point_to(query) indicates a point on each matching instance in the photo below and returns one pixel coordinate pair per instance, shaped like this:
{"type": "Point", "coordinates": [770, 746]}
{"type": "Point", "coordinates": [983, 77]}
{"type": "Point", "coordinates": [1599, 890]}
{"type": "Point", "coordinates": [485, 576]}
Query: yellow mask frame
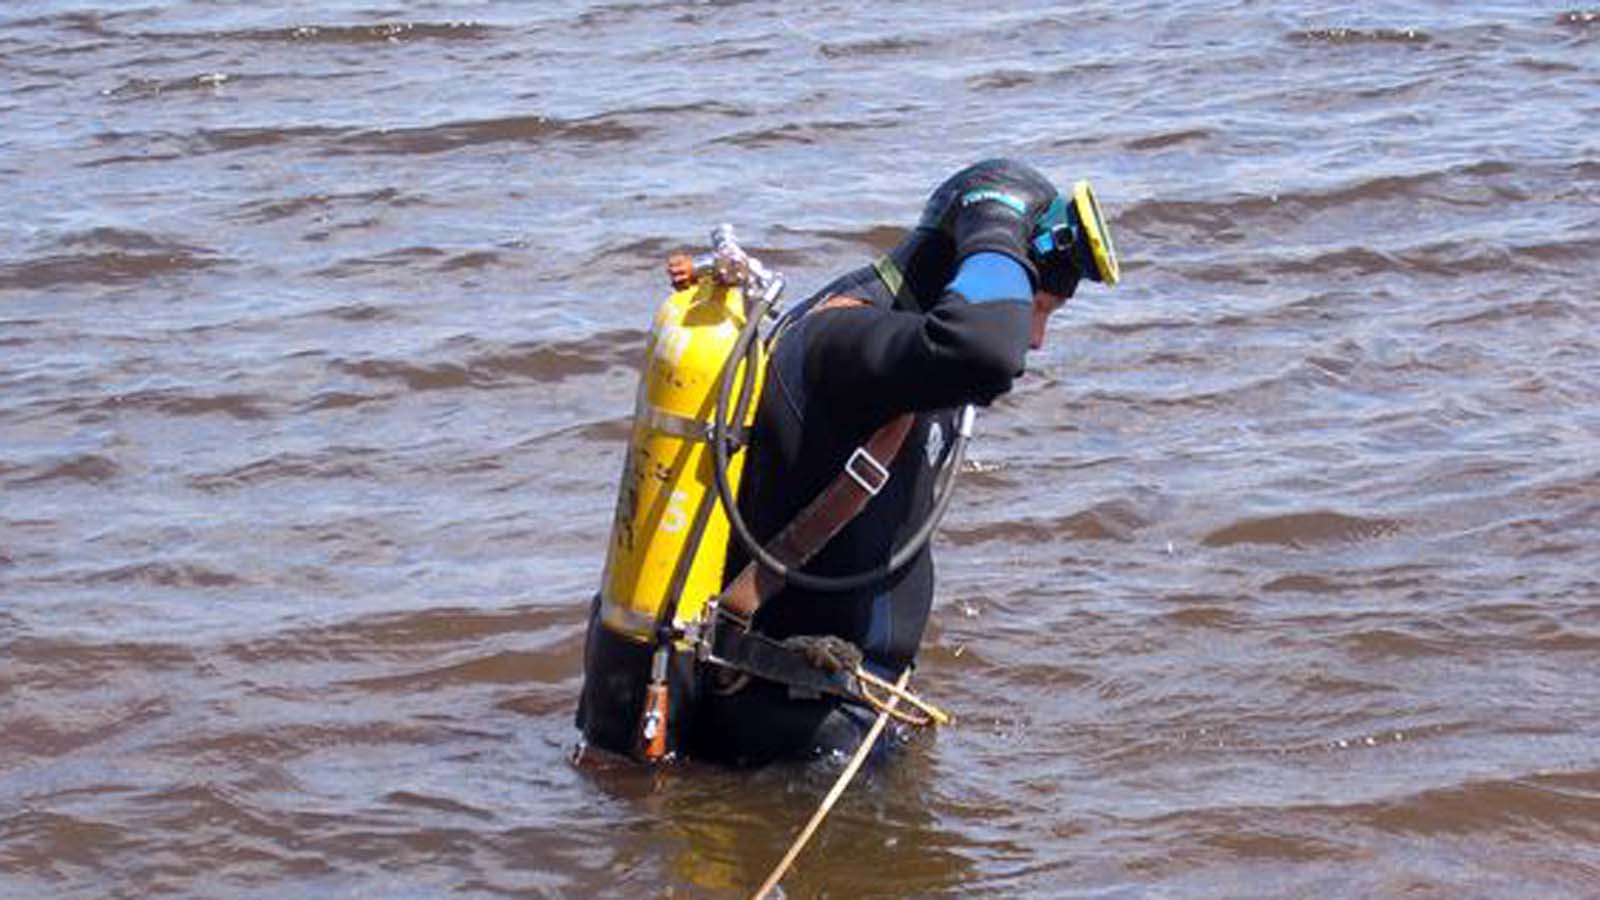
{"type": "Point", "coordinates": [1096, 233]}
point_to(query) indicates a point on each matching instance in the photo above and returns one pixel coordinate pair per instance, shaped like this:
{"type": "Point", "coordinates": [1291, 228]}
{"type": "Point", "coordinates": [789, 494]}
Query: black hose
{"type": "Point", "coordinates": [744, 349]}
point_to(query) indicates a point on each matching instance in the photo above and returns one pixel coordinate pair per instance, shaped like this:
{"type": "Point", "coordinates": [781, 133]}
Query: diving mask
{"type": "Point", "coordinates": [1071, 240]}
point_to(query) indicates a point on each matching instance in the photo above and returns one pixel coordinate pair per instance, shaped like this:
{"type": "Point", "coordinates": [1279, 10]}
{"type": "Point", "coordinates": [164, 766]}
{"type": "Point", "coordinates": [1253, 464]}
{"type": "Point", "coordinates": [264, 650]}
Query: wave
{"type": "Point", "coordinates": [1401, 641]}
{"type": "Point", "coordinates": [544, 361]}
{"type": "Point", "coordinates": [611, 432]}
{"type": "Point", "coordinates": [1221, 212]}
{"type": "Point", "coordinates": [1308, 584]}
{"type": "Point", "coordinates": [236, 406]}
{"type": "Point", "coordinates": [334, 141]}
{"type": "Point", "coordinates": [803, 133]}
{"type": "Point", "coordinates": [174, 402]}
{"type": "Point", "coordinates": [1205, 615]}
{"type": "Point", "coordinates": [559, 360]}
{"type": "Point", "coordinates": [104, 24]}
{"type": "Point", "coordinates": [51, 736]}
{"type": "Point", "coordinates": [383, 33]}
{"type": "Point", "coordinates": [1163, 140]}
{"type": "Point", "coordinates": [90, 468]}
{"type": "Point", "coordinates": [383, 634]}
{"type": "Point", "coordinates": [93, 661]}
{"type": "Point", "coordinates": [1535, 628]}
{"type": "Point", "coordinates": [551, 664]}
{"type": "Point", "coordinates": [1301, 530]}
{"type": "Point", "coordinates": [272, 210]}
{"type": "Point", "coordinates": [471, 261]}
{"type": "Point", "coordinates": [877, 238]}
{"type": "Point", "coordinates": [1003, 80]}
{"type": "Point", "coordinates": [887, 46]}
{"type": "Point", "coordinates": [431, 803]}
{"type": "Point", "coordinates": [89, 23]}
{"type": "Point", "coordinates": [1126, 328]}
{"type": "Point", "coordinates": [1008, 79]}
{"type": "Point", "coordinates": [357, 312]}
{"type": "Point", "coordinates": [1340, 36]}
{"type": "Point", "coordinates": [336, 462]}
{"type": "Point", "coordinates": [399, 258]}
{"type": "Point", "coordinates": [1568, 804]}
{"type": "Point", "coordinates": [1116, 520]}
{"type": "Point", "coordinates": [656, 249]}
{"type": "Point", "coordinates": [330, 400]}
{"type": "Point", "coordinates": [1444, 259]}
{"type": "Point", "coordinates": [417, 377]}
{"type": "Point", "coordinates": [163, 574]}
{"type": "Point", "coordinates": [1552, 813]}
{"type": "Point", "coordinates": [154, 87]}
{"type": "Point", "coordinates": [113, 265]}
{"type": "Point", "coordinates": [532, 129]}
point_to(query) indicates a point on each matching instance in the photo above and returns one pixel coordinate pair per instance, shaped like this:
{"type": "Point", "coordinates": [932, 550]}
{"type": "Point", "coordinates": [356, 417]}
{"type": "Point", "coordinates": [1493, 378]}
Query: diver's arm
{"type": "Point", "coordinates": [968, 348]}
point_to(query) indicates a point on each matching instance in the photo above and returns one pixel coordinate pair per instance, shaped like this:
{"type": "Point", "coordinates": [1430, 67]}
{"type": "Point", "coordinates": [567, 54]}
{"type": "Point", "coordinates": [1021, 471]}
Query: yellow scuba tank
{"type": "Point", "coordinates": [669, 534]}
{"type": "Point", "coordinates": [667, 488]}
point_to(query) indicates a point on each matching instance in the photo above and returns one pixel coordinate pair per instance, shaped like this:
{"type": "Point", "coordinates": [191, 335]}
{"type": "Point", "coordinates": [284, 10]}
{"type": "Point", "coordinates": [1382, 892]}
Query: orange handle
{"type": "Point", "coordinates": [654, 722]}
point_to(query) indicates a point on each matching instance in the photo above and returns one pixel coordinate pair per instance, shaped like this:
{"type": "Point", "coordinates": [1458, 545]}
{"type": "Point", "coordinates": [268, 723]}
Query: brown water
{"type": "Point", "coordinates": [319, 325]}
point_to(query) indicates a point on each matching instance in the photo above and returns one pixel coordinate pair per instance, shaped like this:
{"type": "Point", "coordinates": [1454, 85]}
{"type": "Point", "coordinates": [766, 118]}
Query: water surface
{"type": "Point", "coordinates": [319, 330]}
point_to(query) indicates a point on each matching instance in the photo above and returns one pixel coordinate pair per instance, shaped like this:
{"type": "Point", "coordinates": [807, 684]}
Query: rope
{"type": "Point", "coordinates": [926, 713]}
{"type": "Point", "coordinates": [835, 792]}
{"type": "Point", "coordinates": [887, 708]}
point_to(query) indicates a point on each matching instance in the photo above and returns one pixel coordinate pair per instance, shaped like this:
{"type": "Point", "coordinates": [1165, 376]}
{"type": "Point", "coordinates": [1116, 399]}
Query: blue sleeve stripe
{"type": "Point", "coordinates": [987, 277]}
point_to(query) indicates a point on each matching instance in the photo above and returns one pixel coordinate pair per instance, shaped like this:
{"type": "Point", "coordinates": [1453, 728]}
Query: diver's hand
{"type": "Point", "coordinates": [826, 652]}
{"type": "Point", "coordinates": [994, 206]}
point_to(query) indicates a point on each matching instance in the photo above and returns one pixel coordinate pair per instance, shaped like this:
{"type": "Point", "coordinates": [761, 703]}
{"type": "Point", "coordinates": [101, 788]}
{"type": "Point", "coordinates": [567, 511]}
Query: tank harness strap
{"type": "Point", "coordinates": [680, 426]}
{"type": "Point", "coordinates": [863, 476]}
{"type": "Point", "coordinates": [893, 279]}
{"type": "Point", "coordinates": [753, 653]}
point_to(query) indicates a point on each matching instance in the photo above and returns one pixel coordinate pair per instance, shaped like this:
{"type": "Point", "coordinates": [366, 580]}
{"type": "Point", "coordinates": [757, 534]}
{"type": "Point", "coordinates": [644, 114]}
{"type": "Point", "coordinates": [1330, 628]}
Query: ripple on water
{"type": "Point", "coordinates": [1303, 530]}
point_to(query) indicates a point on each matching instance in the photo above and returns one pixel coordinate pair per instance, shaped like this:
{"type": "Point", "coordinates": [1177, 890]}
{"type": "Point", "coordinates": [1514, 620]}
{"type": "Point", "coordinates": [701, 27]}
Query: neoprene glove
{"type": "Point", "coordinates": [826, 652]}
{"type": "Point", "coordinates": [992, 206]}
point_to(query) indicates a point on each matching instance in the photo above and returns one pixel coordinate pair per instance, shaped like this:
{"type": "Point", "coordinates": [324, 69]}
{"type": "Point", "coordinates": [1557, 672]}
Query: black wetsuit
{"type": "Point", "coordinates": [955, 335]}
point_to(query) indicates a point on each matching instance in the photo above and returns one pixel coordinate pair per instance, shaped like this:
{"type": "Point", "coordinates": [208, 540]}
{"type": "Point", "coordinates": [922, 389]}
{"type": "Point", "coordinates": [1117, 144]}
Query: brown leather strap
{"type": "Point", "coordinates": [863, 476]}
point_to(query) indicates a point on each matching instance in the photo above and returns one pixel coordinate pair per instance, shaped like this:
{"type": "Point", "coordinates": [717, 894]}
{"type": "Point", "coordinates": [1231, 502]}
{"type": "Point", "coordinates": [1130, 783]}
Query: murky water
{"type": "Point", "coordinates": [319, 325]}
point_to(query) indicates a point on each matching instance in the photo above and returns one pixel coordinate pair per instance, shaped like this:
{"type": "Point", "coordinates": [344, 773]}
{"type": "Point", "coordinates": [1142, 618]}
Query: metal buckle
{"type": "Point", "coordinates": [704, 635]}
{"type": "Point", "coordinates": [872, 466]}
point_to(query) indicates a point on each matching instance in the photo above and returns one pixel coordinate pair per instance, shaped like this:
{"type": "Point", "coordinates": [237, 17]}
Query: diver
{"type": "Point", "coordinates": [944, 319]}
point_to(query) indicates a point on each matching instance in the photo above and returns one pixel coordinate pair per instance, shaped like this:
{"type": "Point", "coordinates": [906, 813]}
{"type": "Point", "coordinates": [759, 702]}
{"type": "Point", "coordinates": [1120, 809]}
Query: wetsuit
{"type": "Point", "coordinates": [956, 334]}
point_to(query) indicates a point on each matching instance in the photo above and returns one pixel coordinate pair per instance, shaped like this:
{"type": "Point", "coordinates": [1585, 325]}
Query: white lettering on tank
{"type": "Point", "coordinates": [675, 518]}
{"type": "Point", "coordinates": [672, 342]}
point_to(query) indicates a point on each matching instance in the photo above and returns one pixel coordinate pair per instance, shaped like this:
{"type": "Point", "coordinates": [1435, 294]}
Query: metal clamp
{"type": "Point", "coordinates": [878, 472]}
{"type": "Point", "coordinates": [702, 633]}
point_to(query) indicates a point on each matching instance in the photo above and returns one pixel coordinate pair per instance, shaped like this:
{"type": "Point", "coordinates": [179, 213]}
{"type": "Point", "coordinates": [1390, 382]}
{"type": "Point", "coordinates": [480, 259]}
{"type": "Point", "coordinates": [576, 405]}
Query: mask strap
{"type": "Point", "coordinates": [1051, 223]}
